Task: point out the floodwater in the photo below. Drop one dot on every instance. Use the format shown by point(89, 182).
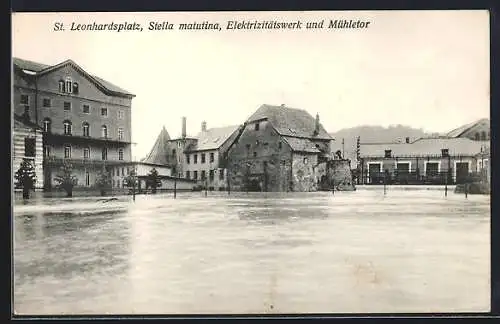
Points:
point(410, 251)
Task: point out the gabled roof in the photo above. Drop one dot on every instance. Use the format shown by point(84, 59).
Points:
point(41, 69)
point(462, 129)
point(158, 154)
point(290, 121)
point(301, 145)
point(212, 138)
point(425, 147)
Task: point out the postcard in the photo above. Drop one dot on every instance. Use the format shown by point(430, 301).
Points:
point(316, 162)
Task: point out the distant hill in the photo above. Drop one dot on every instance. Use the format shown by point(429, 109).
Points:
point(373, 134)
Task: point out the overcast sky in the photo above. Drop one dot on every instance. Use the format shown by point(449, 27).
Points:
point(425, 69)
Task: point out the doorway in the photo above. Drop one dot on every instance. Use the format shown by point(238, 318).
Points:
point(462, 171)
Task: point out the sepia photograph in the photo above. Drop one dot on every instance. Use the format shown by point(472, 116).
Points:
point(266, 162)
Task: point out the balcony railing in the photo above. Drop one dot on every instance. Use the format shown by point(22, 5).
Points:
point(416, 178)
point(86, 138)
point(51, 160)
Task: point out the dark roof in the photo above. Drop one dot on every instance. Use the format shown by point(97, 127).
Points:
point(290, 121)
point(43, 68)
point(212, 138)
point(424, 147)
point(158, 154)
point(464, 128)
point(21, 122)
point(301, 144)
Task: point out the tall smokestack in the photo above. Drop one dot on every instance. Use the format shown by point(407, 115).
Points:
point(203, 126)
point(316, 125)
point(183, 127)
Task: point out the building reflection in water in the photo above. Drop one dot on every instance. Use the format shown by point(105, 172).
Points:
point(63, 245)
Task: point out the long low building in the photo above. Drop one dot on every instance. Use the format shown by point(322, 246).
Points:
point(424, 161)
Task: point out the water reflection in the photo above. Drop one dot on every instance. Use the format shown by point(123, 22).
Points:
point(273, 212)
point(62, 245)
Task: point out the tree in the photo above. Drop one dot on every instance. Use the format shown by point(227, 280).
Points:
point(153, 180)
point(65, 179)
point(131, 181)
point(25, 178)
point(103, 181)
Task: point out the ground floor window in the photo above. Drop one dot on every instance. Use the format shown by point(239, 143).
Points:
point(221, 174)
point(67, 152)
point(87, 178)
point(431, 168)
point(187, 174)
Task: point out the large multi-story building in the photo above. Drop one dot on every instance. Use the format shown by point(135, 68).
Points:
point(85, 119)
point(279, 149)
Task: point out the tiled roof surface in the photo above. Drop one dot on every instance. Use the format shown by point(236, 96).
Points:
point(425, 147)
point(20, 122)
point(29, 65)
point(39, 67)
point(301, 145)
point(158, 154)
point(212, 138)
point(290, 121)
point(462, 129)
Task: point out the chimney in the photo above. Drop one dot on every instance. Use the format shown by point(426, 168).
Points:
point(316, 125)
point(183, 127)
point(203, 126)
point(407, 140)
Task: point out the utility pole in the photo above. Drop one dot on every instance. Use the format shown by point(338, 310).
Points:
point(175, 187)
point(343, 149)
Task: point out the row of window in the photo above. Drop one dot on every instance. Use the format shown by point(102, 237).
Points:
point(47, 103)
point(116, 183)
point(68, 86)
point(203, 174)
point(481, 136)
point(195, 158)
point(86, 152)
point(68, 129)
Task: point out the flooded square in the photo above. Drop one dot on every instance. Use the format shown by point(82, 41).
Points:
point(256, 253)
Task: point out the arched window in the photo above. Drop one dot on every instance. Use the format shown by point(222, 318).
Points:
point(104, 131)
point(47, 125)
point(62, 87)
point(75, 87)
point(476, 136)
point(67, 127)
point(483, 136)
point(69, 85)
point(86, 129)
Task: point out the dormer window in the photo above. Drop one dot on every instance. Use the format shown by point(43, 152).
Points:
point(387, 153)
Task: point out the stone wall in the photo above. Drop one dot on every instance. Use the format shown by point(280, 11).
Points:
point(260, 159)
point(334, 173)
point(304, 176)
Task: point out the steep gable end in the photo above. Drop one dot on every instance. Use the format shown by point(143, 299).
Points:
point(290, 122)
